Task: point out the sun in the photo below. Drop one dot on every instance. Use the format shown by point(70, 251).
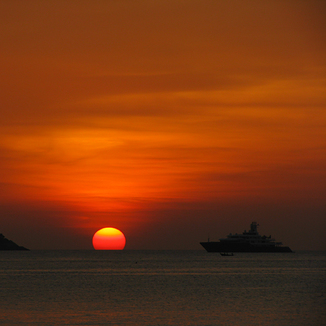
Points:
point(109, 239)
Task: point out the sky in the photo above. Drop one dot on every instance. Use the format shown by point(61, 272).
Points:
point(172, 121)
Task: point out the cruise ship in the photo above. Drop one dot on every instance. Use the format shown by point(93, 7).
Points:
point(250, 241)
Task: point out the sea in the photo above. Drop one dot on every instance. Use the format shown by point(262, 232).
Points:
point(162, 288)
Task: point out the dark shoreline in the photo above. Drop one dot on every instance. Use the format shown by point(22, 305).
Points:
point(6, 244)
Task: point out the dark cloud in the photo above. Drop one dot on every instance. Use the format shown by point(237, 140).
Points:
point(183, 225)
point(43, 225)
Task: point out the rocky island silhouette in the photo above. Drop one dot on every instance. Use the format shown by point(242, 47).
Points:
point(6, 244)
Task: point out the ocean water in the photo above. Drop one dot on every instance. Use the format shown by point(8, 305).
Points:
point(162, 288)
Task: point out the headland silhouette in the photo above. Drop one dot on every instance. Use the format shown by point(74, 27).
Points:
point(6, 244)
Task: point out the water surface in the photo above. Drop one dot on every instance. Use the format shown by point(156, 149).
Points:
point(162, 288)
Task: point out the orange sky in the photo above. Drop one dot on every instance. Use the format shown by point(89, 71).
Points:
point(169, 120)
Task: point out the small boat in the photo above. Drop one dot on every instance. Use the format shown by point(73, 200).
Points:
point(226, 254)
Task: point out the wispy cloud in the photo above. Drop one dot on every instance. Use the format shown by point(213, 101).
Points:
point(126, 111)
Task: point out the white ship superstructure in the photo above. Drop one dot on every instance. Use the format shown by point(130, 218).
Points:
point(252, 237)
point(250, 241)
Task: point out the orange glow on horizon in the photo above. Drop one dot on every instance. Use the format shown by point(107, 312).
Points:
point(137, 111)
point(109, 239)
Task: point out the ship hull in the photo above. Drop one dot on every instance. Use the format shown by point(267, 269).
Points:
point(243, 247)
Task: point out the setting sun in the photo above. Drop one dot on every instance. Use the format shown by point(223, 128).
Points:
point(172, 118)
point(109, 239)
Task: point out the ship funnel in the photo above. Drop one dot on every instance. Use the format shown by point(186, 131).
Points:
point(253, 227)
